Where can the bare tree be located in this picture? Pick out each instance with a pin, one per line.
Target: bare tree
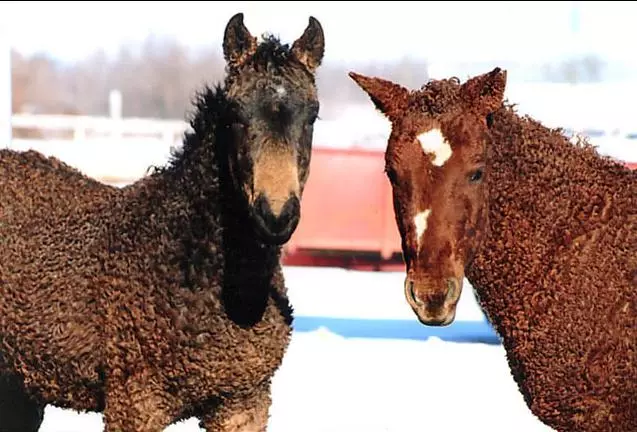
(587, 68)
(159, 77)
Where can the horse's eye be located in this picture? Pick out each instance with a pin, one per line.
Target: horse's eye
(312, 117)
(476, 176)
(489, 120)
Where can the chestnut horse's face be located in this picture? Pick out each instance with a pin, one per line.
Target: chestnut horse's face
(436, 163)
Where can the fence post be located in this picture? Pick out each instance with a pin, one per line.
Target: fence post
(6, 132)
(115, 112)
(79, 132)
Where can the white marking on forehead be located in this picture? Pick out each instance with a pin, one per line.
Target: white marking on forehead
(420, 221)
(434, 142)
(280, 90)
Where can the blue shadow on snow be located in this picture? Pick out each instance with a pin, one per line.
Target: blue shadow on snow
(459, 331)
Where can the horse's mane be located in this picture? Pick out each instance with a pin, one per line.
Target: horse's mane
(562, 145)
(210, 111)
(435, 96)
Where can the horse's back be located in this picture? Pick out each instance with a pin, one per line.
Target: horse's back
(50, 213)
(36, 186)
(50, 220)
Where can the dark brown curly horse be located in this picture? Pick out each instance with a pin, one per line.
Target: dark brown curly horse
(165, 299)
(545, 231)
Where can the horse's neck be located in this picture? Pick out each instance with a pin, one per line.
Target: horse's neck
(216, 242)
(250, 266)
(544, 192)
(166, 220)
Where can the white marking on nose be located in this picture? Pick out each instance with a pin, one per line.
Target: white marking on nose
(281, 91)
(420, 221)
(434, 142)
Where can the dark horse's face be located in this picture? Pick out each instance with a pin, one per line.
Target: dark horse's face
(436, 162)
(272, 90)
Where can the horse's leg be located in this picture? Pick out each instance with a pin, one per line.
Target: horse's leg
(136, 405)
(18, 412)
(243, 414)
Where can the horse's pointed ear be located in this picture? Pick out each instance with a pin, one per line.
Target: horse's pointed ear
(238, 43)
(389, 98)
(310, 47)
(486, 92)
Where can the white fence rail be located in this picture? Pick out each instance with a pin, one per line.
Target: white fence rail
(370, 128)
(120, 150)
(86, 127)
(113, 150)
(603, 111)
(355, 126)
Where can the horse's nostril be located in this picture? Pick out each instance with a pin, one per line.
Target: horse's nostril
(412, 292)
(290, 210)
(261, 206)
(452, 286)
(262, 209)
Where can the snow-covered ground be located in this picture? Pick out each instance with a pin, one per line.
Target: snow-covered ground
(329, 383)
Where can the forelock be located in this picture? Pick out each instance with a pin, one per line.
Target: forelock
(437, 96)
(271, 53)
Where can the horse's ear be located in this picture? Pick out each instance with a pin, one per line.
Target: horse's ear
(486, 92)
(238, 43)
(310, 47)
(389, 98)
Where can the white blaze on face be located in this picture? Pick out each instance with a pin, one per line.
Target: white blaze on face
(280, 90)
(420, 222)
(434, 142)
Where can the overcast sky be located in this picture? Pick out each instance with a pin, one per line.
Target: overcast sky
(436, 31)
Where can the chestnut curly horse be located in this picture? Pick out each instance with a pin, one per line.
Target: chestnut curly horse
(165, 299)
(544, 229)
